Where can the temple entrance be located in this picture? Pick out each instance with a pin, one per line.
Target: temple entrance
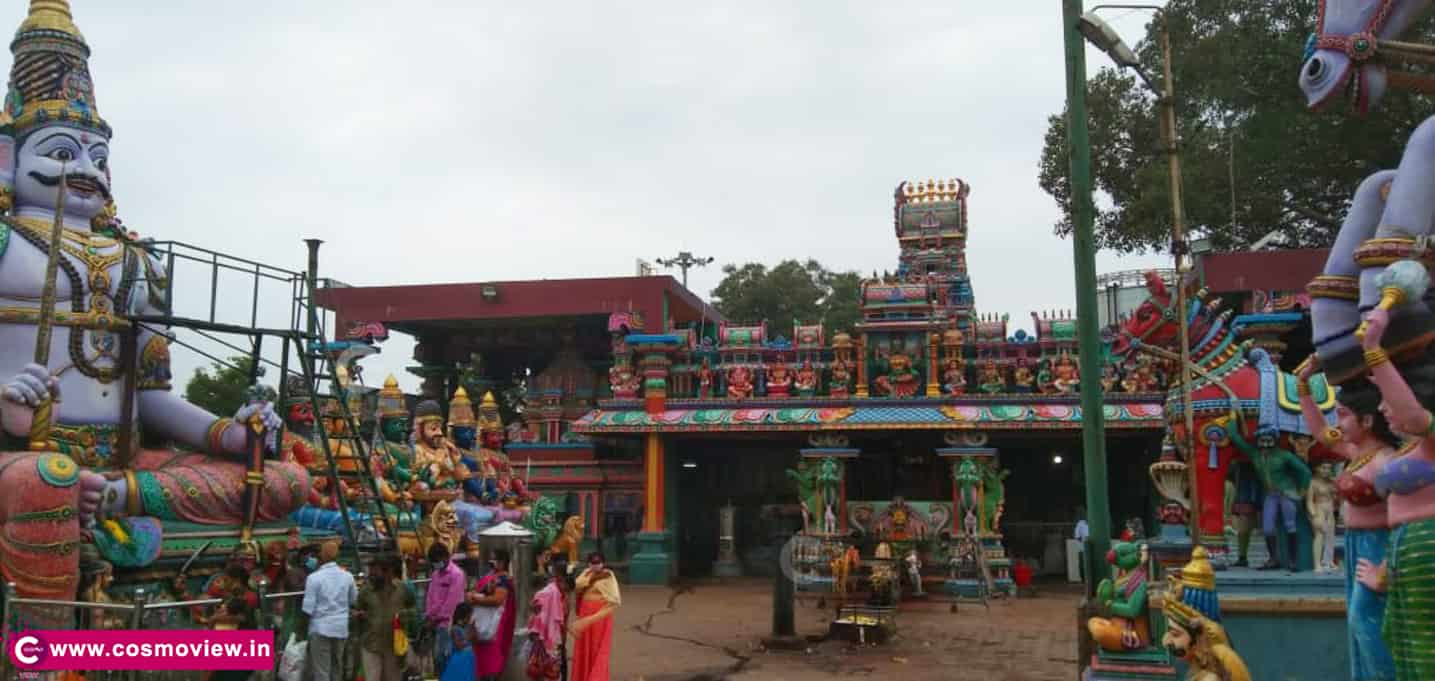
(749, 474)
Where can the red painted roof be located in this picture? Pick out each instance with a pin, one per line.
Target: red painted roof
(517, 299)
(1286, 270)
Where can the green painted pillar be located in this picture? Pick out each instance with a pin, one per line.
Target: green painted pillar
(1083, 245)
(784, 621)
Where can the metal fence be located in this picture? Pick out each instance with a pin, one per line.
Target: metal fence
(144, 613)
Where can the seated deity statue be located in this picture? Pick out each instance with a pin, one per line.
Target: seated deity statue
(954, 378)
(806, 382)
(438, 461)
(901, 378)
(52, 140)
(739, 383)
(841, 379)
(779, 380)
(1023, 381)
(991, 380)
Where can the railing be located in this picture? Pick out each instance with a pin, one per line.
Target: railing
(142, 614)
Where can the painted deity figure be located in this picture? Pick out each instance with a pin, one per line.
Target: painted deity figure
(991, 381)
(705, 381)
(437, 462)
(954, 377)
(392, 455)
(1023, 381)
(1320, 506)
(480, 485)
(900, 379)
(1285, 478)
(779, 380)
(806, 382)
(51, 134)
(840, 382)
(623, 382)
(1066, 378)
(299, 443)
(968, 479)
(804, 477)
(739, 383)
(914, 571)
(1124, 626)
(1194, 633)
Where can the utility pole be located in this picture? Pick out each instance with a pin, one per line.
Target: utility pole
(1083, 244)
(685, 261)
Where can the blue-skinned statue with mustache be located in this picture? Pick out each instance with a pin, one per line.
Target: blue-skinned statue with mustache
(86, 481)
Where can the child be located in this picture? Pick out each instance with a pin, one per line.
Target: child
(460, 664)
(231, 615)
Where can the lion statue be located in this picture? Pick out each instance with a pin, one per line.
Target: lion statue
(567, 542)
(440, 526)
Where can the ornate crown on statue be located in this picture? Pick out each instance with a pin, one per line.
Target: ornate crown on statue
(1191, 593)
(50, 78)
(460, 410)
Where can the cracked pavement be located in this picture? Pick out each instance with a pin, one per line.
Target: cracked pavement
(711, 631)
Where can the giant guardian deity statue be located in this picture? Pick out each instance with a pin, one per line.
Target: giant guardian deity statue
(69, 473)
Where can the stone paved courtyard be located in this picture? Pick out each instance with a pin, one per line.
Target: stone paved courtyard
(713, 630)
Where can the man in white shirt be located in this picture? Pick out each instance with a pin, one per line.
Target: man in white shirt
(328, 594)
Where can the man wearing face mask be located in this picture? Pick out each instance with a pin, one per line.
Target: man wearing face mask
(447, 583)
(329, 592)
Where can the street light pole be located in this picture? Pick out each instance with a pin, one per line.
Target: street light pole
(1083, 244)
(1178, 253)
(1103, 36)
(685, 261)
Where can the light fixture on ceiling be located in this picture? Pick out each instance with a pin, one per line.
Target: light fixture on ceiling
(690, 464)
(1056, 459)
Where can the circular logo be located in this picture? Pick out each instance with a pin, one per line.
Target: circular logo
(27, 650)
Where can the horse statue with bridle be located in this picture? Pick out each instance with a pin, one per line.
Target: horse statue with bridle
(1354, 55)
(1229, 379)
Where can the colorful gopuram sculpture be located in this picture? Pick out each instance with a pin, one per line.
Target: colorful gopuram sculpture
(1194, 633)
(1373, 326)
(71, 462)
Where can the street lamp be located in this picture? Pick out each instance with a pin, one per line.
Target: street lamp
(1083, 247)
(685, 261)
(1105, 38)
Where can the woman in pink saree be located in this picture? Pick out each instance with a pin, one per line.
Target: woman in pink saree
(548, 625)
(495, 590)
(598, 597)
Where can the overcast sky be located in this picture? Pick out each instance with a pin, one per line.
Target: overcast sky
(466, 141)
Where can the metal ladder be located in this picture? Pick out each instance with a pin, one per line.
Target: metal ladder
(304, 339)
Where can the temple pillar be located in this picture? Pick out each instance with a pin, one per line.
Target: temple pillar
(815, 457)
(652, 563)
(934, 385)
(978, 495)
(862, 366)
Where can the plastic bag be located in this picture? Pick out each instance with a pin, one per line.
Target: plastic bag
(401, 639)
(291, 664)
(485, 622)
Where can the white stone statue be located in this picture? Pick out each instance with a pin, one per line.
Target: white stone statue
(1320, 500)
(829, 521)
(51, 134)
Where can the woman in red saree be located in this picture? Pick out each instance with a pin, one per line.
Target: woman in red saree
(495, 591)
(597, 598)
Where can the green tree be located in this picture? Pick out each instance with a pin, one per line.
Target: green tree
(1254, 158)
(222, 391)
(805, 292)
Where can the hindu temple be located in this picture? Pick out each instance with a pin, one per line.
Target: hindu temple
(650, 412)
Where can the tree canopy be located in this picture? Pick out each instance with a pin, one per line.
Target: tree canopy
(222, 392)
(1254, 158)
(805, 292)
